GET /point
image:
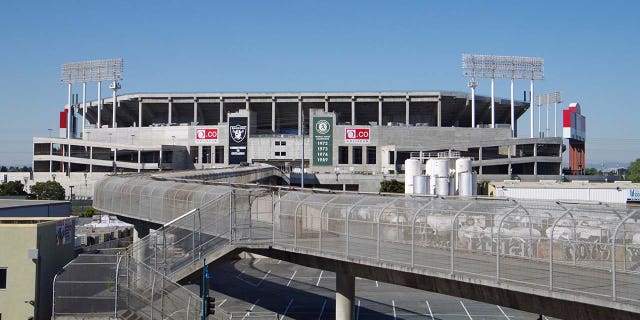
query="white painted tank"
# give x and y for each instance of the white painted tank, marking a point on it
(412, 168)
(462, 165)
(441, 167)
(431, 172)
(442, 186)
(420, 184)
(465, 184)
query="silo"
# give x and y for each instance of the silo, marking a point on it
(441, 174)
(465, 184)
(462, 165)
(421, 185)
(412, 168)
(430, 171)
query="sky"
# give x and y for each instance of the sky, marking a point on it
(590, 50)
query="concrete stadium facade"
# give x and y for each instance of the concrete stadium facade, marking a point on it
(153, 132)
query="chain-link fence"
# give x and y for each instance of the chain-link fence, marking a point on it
(588, 250)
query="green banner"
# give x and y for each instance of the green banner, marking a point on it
(323, 141)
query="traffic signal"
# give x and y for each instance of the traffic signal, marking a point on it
(210, 306)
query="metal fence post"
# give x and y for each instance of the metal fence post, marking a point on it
(115, 301)
(413, 228)
(553, 227)
(230, 216)
(614, 295)
(273, 218)
(498, 242)
(453, 235)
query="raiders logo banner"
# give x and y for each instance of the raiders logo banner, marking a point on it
(238, 132)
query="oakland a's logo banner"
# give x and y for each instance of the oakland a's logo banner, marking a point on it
(238, 132)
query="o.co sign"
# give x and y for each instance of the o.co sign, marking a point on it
(206, 135)
(357, 135)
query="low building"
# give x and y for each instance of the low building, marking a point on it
(32, 251)
(614, 192)
(34, 208)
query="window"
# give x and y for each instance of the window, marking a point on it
(356, 155)
(219, 156)
(371, 155)
(343, 155)
(392, 158)
(280, 143)
(281, 153)
(3, 278)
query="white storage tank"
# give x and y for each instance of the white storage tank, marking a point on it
(462, 165)
(421, 185)
(465, 184)
(442, 186)
(431, 172)
(412, 168)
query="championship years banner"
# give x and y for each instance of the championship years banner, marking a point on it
(323, 141)
(238, 132)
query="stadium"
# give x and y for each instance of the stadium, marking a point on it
(351, 139)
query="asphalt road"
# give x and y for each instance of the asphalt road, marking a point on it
(269, 289)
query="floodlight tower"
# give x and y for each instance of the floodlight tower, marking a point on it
(88, 71)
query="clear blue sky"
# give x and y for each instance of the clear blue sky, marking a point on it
(590, 50)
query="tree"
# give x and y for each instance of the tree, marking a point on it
(12, 188)
(592, 172)
(633, 172)
(4, 169)
(50, 190)
(392, 186)
(89, 212)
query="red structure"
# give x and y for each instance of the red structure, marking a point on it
(574, 129)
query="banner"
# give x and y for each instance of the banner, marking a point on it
(322, 141)
(206, 135)
(357, 135)
(238, 132)
(64, 231)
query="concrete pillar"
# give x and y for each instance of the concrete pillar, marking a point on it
(345, 293)
(406, 110)
(169, 110)
(195, 110)
(379, 111)
(99, 123)
(139, 160)
(480, 158)
(299, 116)
(200, 155)
(221, 111)
(439, 111)
(535, 159)
(353, 111)
(246, 102)
(139, 113)
(326, 104)
(91, 158)
(273, 114)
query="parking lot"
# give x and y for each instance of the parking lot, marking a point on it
(267, 289)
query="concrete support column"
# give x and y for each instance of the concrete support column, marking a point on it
(299, 116)
(91, 158)
(439, 115)
(99, 123)
(406, 110)
(195, 110)
(221, 111)
(480, 158)
(169, 111)
(326, 104)
(273, 114)
(379, 111)
(139, 113)
(246, 102)
(200, 162)
(139, 160)
(114, 98)
(345, 293)
(353, 111)
(535, 159)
